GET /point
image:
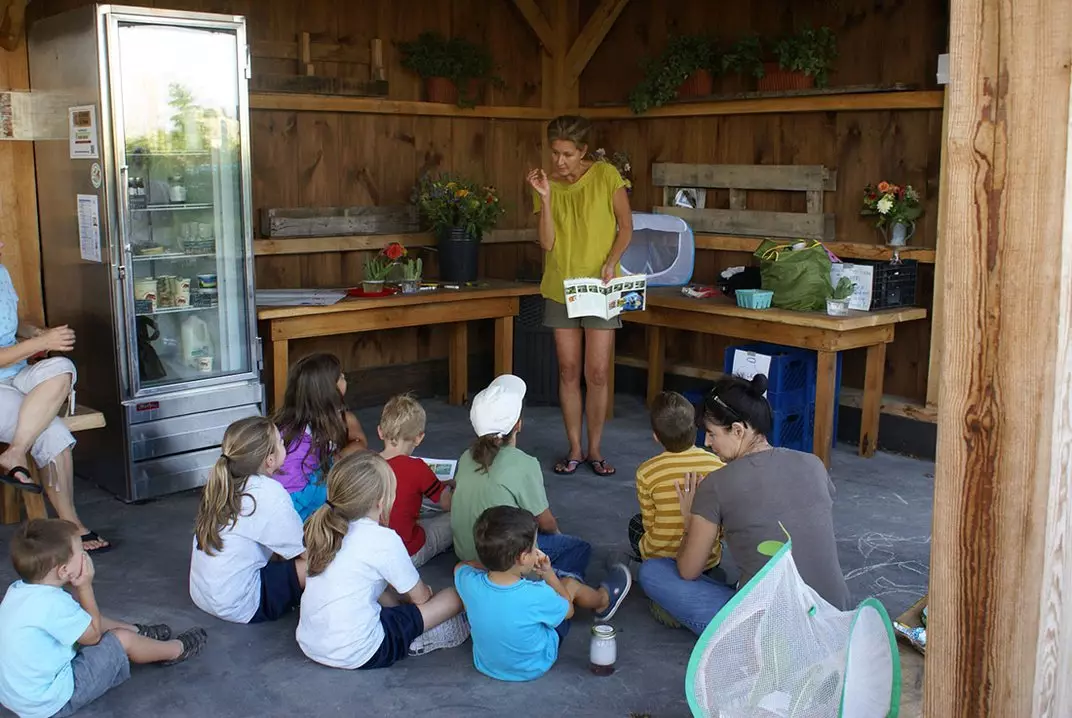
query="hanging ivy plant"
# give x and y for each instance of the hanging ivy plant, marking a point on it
(663, 75)
(810, 51)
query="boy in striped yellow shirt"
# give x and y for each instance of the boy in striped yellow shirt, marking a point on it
(657, 530)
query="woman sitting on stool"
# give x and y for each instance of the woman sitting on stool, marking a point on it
(31, 396)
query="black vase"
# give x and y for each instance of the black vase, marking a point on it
(459, 255)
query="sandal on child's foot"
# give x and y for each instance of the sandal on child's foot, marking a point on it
(617, 587)
(155, 631)
(192, 643)
(451, 633)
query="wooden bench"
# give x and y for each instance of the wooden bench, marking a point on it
(82, 419)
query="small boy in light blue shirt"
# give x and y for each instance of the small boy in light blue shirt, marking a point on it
(517, 624)
(56, 653)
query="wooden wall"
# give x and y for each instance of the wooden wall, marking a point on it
(900, 146)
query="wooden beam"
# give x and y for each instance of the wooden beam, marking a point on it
(534, 17)
(999, 638)
(367, 242)
(934, 369)
(588, 41)
(845, 250)
(377, 106)
(565, 88)
(854, 102)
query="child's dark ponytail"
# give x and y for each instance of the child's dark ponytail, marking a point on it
(485, 449)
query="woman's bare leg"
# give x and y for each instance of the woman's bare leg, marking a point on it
(38, 409)
(569, 349)
(59, 486)
(599, 345)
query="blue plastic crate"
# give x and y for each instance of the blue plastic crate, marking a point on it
(696, 399)
(793, 428)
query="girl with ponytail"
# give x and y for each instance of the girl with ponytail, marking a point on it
(762, 494)
(244, 518)
(365, 606)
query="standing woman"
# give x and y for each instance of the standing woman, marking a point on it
(585, 225)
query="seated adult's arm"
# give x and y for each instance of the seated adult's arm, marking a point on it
(696, 547)
(60, 339)
(546, 522)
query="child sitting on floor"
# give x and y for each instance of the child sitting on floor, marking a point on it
(364, 605)
(245, 517)
(42, 672)
(657, 530)
(402, 430)
(316, 429)
(494, 472)
(517, 623)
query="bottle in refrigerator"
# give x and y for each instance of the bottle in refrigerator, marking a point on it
(196, 342)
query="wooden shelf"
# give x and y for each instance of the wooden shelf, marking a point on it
(844, 102)
(845, 250)
(365, 242)
(378, 106)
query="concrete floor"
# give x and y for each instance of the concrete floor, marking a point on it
(882, 514)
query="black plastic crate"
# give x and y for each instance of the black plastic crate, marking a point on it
(535, 359)
(893, 285)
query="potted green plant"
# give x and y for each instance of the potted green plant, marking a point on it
(458, 212)
(684, 69)
(452, 68)
(377, 268)
(744, 58)
(411, 275)
(804, 61)
(837, 303)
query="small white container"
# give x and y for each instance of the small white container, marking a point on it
(837, 307)
(603, 650)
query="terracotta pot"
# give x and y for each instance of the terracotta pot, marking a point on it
(698, 84)
(440, 89)
(775, 79)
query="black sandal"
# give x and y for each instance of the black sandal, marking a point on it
(192, 643)
(155, 631)
(90, 536)
(600, 468)
(10, 479)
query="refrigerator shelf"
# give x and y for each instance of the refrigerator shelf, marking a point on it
(171, 207)
(170, 255)
(175, 310)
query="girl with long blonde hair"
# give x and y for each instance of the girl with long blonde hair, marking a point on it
(365, 606)
(244, 519)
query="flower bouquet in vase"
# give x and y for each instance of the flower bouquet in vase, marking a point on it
(896, 207)
(458, 212)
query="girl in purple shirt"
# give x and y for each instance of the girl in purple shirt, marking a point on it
(316, 429)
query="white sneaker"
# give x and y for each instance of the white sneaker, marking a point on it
(451, 633)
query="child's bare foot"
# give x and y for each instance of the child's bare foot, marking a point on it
(189, 644)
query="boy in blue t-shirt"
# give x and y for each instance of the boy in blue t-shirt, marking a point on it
(517, 623)
(42, 673)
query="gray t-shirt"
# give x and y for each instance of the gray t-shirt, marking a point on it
(752, 494)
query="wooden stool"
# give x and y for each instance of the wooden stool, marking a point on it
(82, 419)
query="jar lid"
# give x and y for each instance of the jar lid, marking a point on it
(604, 630)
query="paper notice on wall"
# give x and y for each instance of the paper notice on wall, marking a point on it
(862, 275)
(89, 233)
(82, 125)
(747, 364)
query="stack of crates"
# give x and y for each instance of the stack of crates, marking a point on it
(790, 392)
(535, 359)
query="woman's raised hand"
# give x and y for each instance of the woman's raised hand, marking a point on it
(57, 339)
(537, 179)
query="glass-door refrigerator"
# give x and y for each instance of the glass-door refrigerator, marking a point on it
(146, 235)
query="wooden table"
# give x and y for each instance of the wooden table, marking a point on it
(667, 308)
(496, 300)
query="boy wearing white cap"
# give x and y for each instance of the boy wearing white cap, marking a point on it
(494, 472)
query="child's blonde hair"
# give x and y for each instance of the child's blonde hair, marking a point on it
(355, 485)
(403, 418)
(247, 444)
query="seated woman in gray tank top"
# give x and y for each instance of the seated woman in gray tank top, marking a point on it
(760, 490)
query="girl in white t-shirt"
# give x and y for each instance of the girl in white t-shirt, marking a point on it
(245, 517)
(365, 606)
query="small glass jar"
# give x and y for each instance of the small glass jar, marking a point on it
(176, 190)
(603, 650)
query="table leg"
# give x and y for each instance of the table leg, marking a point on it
(825, 379)
(504, 345)
(280, 366)
(35, 503)
(459, 362)
(10, 513)
(872, 400)
(656, 362)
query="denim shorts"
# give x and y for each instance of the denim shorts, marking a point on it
(97, 670)
(401, 627)
(280, 591)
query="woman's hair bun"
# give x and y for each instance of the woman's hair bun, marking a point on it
(758, 386)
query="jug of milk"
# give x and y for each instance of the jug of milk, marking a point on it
(196, 341)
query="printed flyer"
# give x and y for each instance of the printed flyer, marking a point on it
(592, 297)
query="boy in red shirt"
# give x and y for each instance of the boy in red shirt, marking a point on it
(402, 430)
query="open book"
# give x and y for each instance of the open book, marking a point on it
(592, 297)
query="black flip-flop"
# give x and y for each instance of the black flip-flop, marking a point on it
(567, 467)
(10, 478)
(600, 468)
(93, 536)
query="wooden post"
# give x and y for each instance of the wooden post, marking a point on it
(1000, 630)
(305, 55)
(459, 362)
(376, 70)
(656, 361)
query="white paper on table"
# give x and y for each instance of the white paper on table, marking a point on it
(89, 236)
(747, 364)
(443, 468)
(299, 297)
(592, 297)
(863, 275)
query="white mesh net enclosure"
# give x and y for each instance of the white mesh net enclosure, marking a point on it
(778, 650)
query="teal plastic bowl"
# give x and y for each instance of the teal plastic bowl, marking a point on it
(754, 298)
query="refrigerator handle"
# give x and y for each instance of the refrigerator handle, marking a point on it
(124, 217)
